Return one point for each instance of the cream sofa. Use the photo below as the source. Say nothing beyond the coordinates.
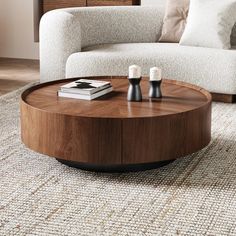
(77, 42)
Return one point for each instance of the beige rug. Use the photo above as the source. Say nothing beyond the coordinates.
(195, 195)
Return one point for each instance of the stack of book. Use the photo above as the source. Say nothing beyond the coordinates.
(85, 89)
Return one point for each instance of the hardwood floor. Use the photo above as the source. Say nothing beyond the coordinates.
(15, 73)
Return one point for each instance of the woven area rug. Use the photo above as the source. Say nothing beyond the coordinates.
(195, 195)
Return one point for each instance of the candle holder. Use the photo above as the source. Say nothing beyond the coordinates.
(134, 91)
(155, 89)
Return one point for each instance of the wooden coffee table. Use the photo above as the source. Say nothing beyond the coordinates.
(112, 134)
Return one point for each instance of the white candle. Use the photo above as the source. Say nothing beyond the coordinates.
(134, 72)
(155, 74)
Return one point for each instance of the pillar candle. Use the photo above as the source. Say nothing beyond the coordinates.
(155, 74)
(134, 72)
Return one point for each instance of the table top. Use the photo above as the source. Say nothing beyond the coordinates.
(178, 97)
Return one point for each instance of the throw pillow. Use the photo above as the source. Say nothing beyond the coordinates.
(233, 36)
(210, 23)
(174, 20)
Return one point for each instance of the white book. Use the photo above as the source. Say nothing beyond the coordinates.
(85, 86)
(83, 96)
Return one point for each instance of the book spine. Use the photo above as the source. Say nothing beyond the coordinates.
(72, 95)
(84, 97)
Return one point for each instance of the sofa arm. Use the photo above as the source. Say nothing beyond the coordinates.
(60, 36)
(66, 31)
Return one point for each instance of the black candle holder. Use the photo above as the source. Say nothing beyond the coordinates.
(134, 91)
(155, 89)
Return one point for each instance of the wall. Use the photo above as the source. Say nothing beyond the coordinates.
(17, 29)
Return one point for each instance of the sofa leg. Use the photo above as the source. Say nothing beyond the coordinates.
(220, 97)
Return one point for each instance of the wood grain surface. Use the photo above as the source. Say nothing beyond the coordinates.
(110, 130)
(49, 5)
(112, 2)
(220, 97)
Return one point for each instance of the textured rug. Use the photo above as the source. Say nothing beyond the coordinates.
(195, 195)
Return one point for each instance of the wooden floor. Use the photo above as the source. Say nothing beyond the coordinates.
(15, 73)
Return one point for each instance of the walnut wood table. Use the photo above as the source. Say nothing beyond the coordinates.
(111, 134)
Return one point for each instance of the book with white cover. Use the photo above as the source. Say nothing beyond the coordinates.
(85, 86)
(84, 96)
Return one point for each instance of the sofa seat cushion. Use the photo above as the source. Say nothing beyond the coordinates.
(212, 69)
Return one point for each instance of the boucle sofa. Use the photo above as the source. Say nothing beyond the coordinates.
(77, 42)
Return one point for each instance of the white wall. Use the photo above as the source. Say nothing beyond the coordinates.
(17, 29)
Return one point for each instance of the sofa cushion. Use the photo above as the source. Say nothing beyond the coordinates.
(174, 20)
(233, 36)
(210, 23)
(213, 69)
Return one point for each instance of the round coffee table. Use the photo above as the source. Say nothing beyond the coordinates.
(112, 134)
